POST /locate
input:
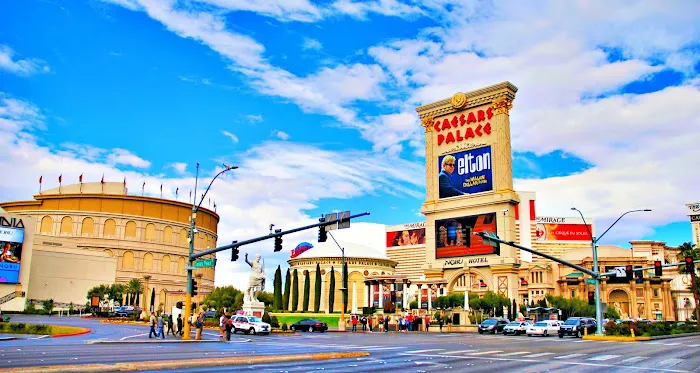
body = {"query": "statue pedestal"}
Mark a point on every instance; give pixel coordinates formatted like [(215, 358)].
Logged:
[(254, 308)]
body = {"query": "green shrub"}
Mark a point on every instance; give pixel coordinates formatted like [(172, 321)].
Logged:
[(17, 327), (266, 318), (284, 326), (274, 322), (612, 328)]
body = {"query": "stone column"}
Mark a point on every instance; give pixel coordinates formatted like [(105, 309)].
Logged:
[(647, 300), (146, 293), (466, 300), (354, 297), (371, 294), (430, 297), (420, 295), (381, 294), (430, 160), (366, 293), (633, 299), (502, 157), (405, 295)]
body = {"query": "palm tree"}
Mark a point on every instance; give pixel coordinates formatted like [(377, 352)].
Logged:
[(134, 286), (687, 249)]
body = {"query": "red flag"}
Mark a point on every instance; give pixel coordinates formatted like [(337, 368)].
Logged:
[(80, 178), (41, 178)]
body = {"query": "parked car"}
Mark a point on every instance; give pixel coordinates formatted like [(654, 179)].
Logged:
[(210, 314), (576, 325), (516, 327), (492, 325), (309, 325), (126, 311), (544, 328), (250, 325)]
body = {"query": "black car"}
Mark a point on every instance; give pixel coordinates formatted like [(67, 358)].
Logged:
[(575, 326), (124, 311), (492, 325), (309, 325), (209, 314)]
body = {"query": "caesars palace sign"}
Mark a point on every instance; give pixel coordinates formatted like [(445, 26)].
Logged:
[(451, 130)]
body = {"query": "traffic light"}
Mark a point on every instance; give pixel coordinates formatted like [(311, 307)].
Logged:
[(322, 234), (629, 272), (591, 298), (639, 275), (689, 265), (194, 287), (658, 270), (278, 243), (234, 252)]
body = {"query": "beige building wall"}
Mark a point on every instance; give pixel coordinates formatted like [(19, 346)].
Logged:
[(66, 274), (17, 304)]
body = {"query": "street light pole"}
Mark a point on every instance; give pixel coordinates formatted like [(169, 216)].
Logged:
[(594, 246), (193, 218)]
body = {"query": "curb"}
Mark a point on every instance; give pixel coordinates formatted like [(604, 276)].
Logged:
[(156, 341), (81, 332), (674, 336), (615, 338), (8, 338), (191, 363)]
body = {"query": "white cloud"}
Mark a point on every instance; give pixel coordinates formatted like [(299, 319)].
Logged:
[(20, 67), (179, 167), (231, 136), (124, 157), (283, 10), (311, 44), (361, 9), (282, 135), (254, 118)]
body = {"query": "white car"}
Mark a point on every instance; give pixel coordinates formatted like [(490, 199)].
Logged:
[(250, 325), (516, 327), (545, 328)]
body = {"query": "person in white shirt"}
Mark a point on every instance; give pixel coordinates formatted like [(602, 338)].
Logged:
[(221, 326)]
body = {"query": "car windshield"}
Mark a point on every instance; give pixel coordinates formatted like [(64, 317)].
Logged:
[(571, 322), (514, 324), (254, 319), (540, 324), (489, 322)]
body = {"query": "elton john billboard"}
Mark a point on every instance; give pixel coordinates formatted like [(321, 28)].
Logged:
[(455, 236), (465, 172), (11, 240)]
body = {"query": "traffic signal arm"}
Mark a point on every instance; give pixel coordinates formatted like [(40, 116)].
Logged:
[(613, 273)]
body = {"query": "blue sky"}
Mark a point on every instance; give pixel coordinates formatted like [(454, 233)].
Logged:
[(315, 101)]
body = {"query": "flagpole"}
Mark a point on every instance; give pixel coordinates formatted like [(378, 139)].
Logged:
[(40, 179)]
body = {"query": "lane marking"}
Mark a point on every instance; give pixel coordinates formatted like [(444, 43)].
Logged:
[(457, 352), (634, 359), (430, 350), (570, 356), (669, 363), (386, 348), (541, 354), (603, 357), (516, 353), (485, 353), (133, 336), (671, 344)]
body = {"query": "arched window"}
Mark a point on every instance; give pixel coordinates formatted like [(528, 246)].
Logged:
[(66, 225), (165, 264), (109, 252), (168, 234), (183, 237), (150, 232), (130, 230), (181, 265), (110, 228), (46, 224), (88, 227), (128, 260), (147, 262)]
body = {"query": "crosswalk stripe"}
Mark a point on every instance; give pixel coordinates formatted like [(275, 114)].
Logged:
[(570, 356), (485, 353), (692, 345), (541, 354), (671, 344), (668, 363), (457, 352), (430, 350), (634, 359), (582, 341), (603, 357), (516, 353)]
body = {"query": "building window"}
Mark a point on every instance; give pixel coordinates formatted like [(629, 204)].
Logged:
[(183, 237), (147, 262), (67, 225), (573, 293), (165, 264), (128, 260), (110, 228), (130, 230), (150, 232), (656, 292), (88, 227), (168, 234), (46, 224)]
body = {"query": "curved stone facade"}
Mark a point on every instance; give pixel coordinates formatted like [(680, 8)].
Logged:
[(147, 236)]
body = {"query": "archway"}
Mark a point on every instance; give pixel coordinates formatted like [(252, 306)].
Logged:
[(620, 301)]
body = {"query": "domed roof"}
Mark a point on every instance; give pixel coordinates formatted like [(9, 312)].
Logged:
[(362, 240)]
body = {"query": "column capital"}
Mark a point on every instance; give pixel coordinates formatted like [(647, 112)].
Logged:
[(502, 105), (427, 123)]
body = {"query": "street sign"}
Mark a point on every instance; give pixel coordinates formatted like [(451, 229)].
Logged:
[(620, 272), (331, 217), (590, 281), (344, 221), (203, 263)]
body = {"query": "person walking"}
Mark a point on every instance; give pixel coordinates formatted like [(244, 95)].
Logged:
[(199, 324), (228, 324), (171, 328), (386, 323), (363, 320), (427, 323), (369, 323), (153, 326), (161, 325), (354, 323), (180, 326), (222, 326), (440, 322)]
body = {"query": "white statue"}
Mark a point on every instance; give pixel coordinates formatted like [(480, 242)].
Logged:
[(256, 280)]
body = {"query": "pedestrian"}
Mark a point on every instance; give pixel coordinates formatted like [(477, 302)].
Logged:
[(409, 322), (427, 323), (363, 320), (228, 325), (399, 326), (369, 323), (440, 322), (161, 325), (171, 329), (153, 326), (354, 323), (180, 327), (222, 329), (386, 324), (199, 324)]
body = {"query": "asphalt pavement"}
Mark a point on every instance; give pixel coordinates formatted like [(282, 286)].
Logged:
[(412, 352)]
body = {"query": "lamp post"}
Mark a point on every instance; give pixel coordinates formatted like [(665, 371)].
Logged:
[(193, 230), (594, 246)]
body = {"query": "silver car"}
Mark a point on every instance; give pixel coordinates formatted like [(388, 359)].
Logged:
[(516, 327)]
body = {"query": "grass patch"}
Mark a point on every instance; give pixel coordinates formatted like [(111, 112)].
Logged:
[(330, 320), (41, 329)]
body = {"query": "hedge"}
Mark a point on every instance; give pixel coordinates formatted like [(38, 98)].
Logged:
[(43, 329)]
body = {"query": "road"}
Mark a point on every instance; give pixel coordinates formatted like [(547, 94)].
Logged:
[(413, 352)]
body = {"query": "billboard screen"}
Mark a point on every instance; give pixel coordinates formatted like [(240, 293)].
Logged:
[(11, 240), (465, 172), (562, 229), (405, 237), (455, 236)]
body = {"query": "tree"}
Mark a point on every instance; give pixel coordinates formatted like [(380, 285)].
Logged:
[(134, 286), (515, 309), (116, 292), (317, 289), (687, 249), (287, 287), (48, 305), (100, 291), (295, 291), (345, 286), (266, 297), (510, 311), (307, 290), (278, 289), (331, 292), (224, 296)]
